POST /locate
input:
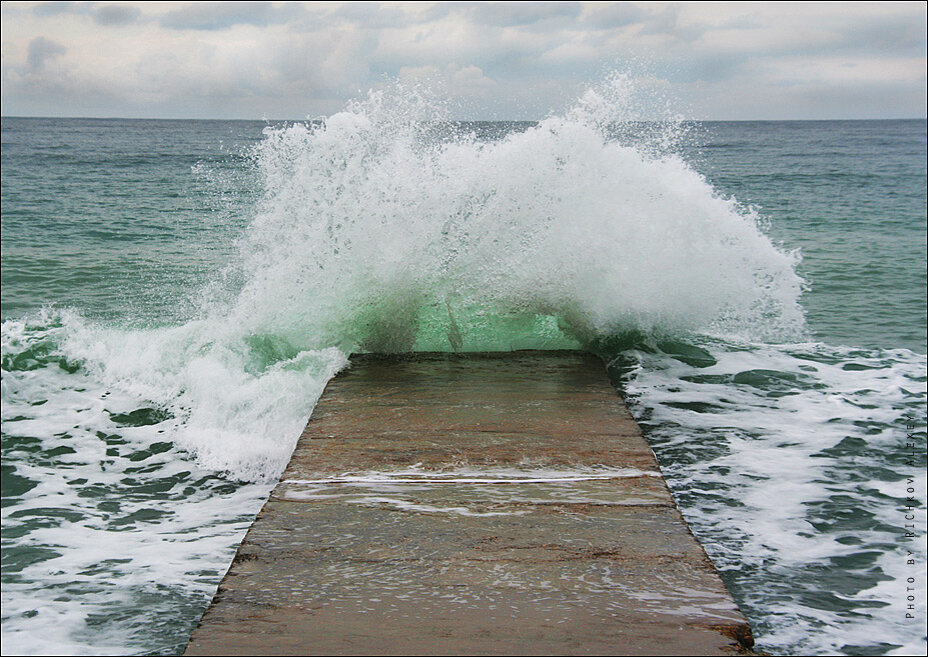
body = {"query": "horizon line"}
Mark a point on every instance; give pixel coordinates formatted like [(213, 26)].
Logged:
[(454, 120)]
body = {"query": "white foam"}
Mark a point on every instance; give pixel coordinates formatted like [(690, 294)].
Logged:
[(373, 236), (773, 495), (126, 534)]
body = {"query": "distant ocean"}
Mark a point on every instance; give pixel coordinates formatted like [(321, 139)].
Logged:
[(175, 295)]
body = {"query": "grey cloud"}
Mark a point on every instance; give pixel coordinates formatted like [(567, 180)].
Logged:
[(898, 35), (665, 22), (615, 15), (373, 16), (54, 8), (661, 22), (40, 51), (534, 52), (221, 15), (105, 15), (484, 47), (710, 67), (116, 15), (511, 14)]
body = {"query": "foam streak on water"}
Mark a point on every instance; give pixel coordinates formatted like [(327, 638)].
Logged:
[(791, 464)]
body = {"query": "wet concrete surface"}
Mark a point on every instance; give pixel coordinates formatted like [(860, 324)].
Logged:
[(471, 504)]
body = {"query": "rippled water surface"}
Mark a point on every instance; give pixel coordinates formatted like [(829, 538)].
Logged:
[(175, 294)]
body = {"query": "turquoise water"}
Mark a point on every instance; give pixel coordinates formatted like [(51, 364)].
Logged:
[(849, 194), (175, 294), (121, 218)]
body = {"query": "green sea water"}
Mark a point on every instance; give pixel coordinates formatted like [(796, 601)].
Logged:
[(176, 293)]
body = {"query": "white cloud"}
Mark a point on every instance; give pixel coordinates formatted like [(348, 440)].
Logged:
[(506, 60)]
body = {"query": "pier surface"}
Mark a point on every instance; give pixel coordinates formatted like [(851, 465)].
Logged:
[(471, 504)]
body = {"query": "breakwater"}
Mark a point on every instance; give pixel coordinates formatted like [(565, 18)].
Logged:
[(501, 503)]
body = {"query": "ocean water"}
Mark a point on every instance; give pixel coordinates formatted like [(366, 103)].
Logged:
[(175, 295)]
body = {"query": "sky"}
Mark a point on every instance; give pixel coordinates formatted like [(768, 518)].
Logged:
[(489, 60)]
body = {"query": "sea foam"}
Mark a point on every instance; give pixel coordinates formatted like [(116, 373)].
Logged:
[(387, 228)]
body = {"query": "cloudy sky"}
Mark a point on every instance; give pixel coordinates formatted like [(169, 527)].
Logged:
[(499, 60)]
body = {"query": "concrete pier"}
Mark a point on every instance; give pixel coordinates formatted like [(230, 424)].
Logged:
[(471, 504)]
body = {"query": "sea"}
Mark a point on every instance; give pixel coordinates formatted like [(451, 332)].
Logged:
[(177, 293)]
